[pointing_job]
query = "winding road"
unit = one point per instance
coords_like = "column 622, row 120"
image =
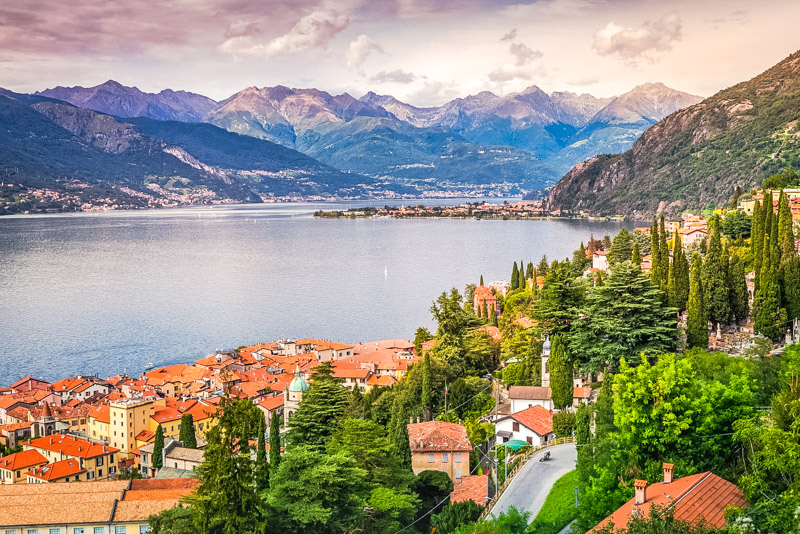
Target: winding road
column 529, row 488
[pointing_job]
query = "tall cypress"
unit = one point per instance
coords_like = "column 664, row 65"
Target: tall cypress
column 769, row 316
column 655, row 254
column 756, row 237
column 481, row 280
column 790, row 278
column 697, row 320
column 158, row 449
column 514, row 277
column 529, row 268
column 775, row 249
column 678, row 287
column 636, row 256
column 261, row 469
column 785, row 234
column 715, row 279
column 663, row 255
column 427, row 394
column 274, row 441
column 560, row 373
column 740, row 307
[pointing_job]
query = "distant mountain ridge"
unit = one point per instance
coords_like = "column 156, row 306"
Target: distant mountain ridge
column 696, row 156
column 518, row 142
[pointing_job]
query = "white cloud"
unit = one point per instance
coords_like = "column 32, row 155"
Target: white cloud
column 524, row 54
column 631, row 44
column 359, row 50
column 523, row 67
column 315, row 30
column 395, row 76
column 510, row 36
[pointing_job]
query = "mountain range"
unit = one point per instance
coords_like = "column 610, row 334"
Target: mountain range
column 696, row 157
column 514, row 143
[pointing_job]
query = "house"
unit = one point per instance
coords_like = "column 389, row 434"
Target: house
column 439, row 446
column 703, row 496
column 271, row 405
column 183, row 458
column 533, row 425
column 128, row 417
column 484, row 296
column 97, row 459
column 13, row 468
column 599, row 260
column 69, row 470
column 352, row 378
column 111, row 507
column 472, row 488
column 691, row 236
column 29, row 384
column 673, row 225
column 524, row 397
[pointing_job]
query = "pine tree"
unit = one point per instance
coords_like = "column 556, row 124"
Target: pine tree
column 426, row 387
column 697, row 320
column 636, row 256
column 543, row 267
column 158, row 449
column 560, row 374
column 790, row 273
column 592, row 248
column 621, row 247
column 715, row 279
column 355, row 405
column 740, row 307
column 785, row 234
column 261, row 469
column 514, row 277
column 274, row 441
column 757, row 239
column 187, row 434
column 320, row 410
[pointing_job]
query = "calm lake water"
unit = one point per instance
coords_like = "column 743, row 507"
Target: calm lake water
column 112, row 292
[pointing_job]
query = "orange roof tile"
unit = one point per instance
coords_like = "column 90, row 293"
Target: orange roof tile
column 381, row 380
column 71, row 446
column 101, row 413
column 22, row 460
column 434, row 436
column 344, row 372
column 166, row 415
column 57, row 470
column 537, row 418
column 270, row 403
column 472, row 487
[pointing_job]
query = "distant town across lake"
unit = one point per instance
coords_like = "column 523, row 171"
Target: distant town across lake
column 105, row 292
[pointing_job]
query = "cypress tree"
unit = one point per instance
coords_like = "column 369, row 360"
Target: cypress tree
column 187, row 434
column 790, row 274
column 757, row 240
column 715, row 279
column 529, row 268
column 775, row 249
column 158, row 449
column 740, row 307
column 274, row 442
column 785, row 234
column 426, row 387
column 678, row 286
column 683, row 281
column 655, row 254
column 484, row 311
column 636, row 256
column 770, row 318
column 591, row 249
column 514, row 277
column 663, row 256
column 697, row 320
column 560, row 373
column 543, row 267
column 493, row 317
column 261, row 469
column 481, row 280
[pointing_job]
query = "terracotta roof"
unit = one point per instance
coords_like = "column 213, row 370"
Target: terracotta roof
column 22, row 460
column 529, row 392
column 7, row 401
column 270, row 403
column 340, row 372
column 13, row 427
column 57, row 470
column 493, row 332
column 483, row 292
column 525, row 322
column 582, row 393
column 701, row 496
column 381, row 380
column 537, row 418
column 71, row 446
column 472, row 487
column 101, row 413
column 434, row 436
column 165, row 415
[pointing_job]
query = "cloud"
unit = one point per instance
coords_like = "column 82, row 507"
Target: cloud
column 588, row 80
column 314, row 30
column 435, row 93
column 242, row 28
column 510, row 36
column 524, row 54
column 395, row 76
column 359, row 50
column 631, row 44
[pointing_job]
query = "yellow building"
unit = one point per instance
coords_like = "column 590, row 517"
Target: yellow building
column 127, row 418
column 114, row 507
column 96, row 459
column 439, row 446
column 99, row 421
column 14, row 467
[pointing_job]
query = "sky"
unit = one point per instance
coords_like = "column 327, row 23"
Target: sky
column 424, row 52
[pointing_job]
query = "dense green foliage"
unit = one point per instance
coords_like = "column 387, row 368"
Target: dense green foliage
column 560, row 373
column 323, row 404
column 158, row 448
column 697, row 317
column 187, row 434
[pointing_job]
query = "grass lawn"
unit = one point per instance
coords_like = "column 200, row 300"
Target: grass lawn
column 559, row 507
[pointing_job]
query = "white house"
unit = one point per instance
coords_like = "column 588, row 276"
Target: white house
column 524, row 397
column 533, row 425
column 599, row 260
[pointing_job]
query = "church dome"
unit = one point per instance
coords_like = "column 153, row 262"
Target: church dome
column 298, row 384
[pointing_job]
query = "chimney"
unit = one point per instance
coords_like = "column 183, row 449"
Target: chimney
column 411, row 420
column 641, row 490
column 668, row 468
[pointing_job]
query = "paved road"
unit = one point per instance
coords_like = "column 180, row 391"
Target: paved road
column 530, row 487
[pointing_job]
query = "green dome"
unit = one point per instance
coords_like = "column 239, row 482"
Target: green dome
column 298, row 384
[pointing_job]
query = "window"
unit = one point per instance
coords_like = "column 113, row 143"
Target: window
column 33, row 531
column 445, row 457
column 144, row 458
column 77, row 531
column 100, row 472
column 530, row 440
column 516, row 427
column 144, row 529
column 89, row 475
column 458, row 473
column 99, row 530
column 99, row 461
column 11, row 532
column 458, row 457
column 120, row 529
column 430, row 458
column 55, row 531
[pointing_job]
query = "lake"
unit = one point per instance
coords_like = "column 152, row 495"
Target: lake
column 111, row 292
